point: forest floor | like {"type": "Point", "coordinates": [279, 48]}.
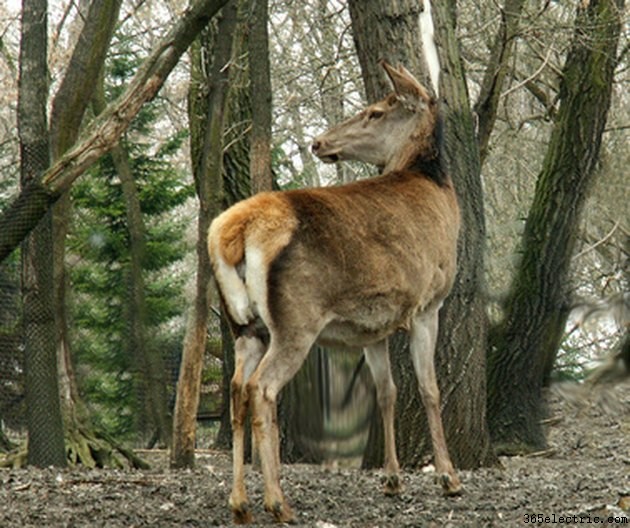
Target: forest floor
{"type": "Point", "coordinates": [584, 478]}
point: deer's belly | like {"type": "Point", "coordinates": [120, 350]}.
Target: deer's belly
{"type": "Point", "coordinates": [367, 323]}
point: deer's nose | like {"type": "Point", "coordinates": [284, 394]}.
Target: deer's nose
{"type": "Point", "coordinates": [317, 144]}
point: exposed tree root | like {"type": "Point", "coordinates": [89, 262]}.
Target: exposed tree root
{"type": "Point", "coordinates": [88, 448]}
{"type": "Point", "coordinates": [15, 459]}
{"type": "Point", "coordinates": [5, 444]}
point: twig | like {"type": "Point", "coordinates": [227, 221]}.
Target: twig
{"type": "Point", "coordinates": [599, 242]}
{"type": "Point", "coordinates": [531, 77]}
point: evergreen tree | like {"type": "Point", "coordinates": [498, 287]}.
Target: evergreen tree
{"type": "Point", "coordinates": [109, 371]}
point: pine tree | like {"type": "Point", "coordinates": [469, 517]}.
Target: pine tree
{"type": "Point", "coordinates": [109, 371]}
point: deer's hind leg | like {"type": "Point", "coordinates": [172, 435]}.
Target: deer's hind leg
{"type": "Point", "coordinates": [423, 338]}
{"type": "Point", "coordinates": [248, 350]}
{"type": "Point", "coordinates": [281, 362]}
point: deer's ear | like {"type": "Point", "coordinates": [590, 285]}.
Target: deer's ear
{"type": "Point", "coordinates": [409, 90]}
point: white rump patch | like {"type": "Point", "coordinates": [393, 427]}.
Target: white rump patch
{"type": "Point", "coordinates": [233, 290]}
{"type": "Point", "coordinates": [256, 280]}
{"type": "Point", "coordinates": [428, 45]}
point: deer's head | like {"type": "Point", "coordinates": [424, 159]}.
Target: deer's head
{"type": "Point", "coordinates": [388, 133]}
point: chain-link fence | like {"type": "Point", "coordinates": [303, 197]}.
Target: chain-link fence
{"type": "Point", "coordinates": [80, 330]}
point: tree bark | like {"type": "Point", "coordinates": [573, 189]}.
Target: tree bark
{"type": "Point", "coordinates": [82, 75]}
{"type": "Point", "coordinates": [236, 186]}
{"type": "Point", "coordinates": [45, 426]}
{"type": "Point", "coordinates": [462, 342]}
{"type": "Point", "coordinates": [524, 345]}
{"type": "Point", "coordinates": [207, 100]}
{"type": "Point", "coordinates": [386, 30]}
{"type": "Point", "coordinates": [151, 369]}
{"type": "Point", "coordinates": [38, 196]}
{"type": "Point", "coordinates": [460, 355]}
{"type": "Point", "coordinates": [260, 93]}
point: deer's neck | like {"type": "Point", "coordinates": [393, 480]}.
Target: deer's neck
{"type": "Point", "coordinates": [426, 162]}
{"type": "Point", "coordinates": [417, 148]}
{"type": "Point", "coordinates": [420, 154]}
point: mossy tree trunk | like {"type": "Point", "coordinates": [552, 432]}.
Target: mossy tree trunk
{"type": "Point", "coordinates": [44, 419]}
{"type": "Point", "coordinates": [524, 345]}
{"type": "Point", "coordinates": [69, 107]}
{"type": "Point", "coordinates": [237, 186]}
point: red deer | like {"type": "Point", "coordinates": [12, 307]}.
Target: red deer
{"type": "Point", "coordinates": [341, 265]}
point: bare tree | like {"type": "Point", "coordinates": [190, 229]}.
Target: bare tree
{"type": "Point", "coordinates": [524, 345]}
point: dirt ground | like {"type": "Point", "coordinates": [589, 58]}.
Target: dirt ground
{"type": "Point", "coordinates": [583, 479]}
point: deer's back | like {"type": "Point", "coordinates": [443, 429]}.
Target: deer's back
{"type": "Point", "coordinates": [363, 256]}
{"type": "Point", "coordinates": [369, 254]}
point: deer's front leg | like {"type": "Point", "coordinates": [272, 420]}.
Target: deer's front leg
{"type": "Point", "coordinates": [424, 329]}
{"type": "Point", "coordinates": [377, 357]}
{"type": "Point", "coordinates": [247, 352]}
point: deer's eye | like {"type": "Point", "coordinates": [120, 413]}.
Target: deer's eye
{"type": "Point", "coordinates": [375, 114]}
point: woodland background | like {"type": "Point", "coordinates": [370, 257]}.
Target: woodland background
{"type": "Point", "coordinates": [107, 303]}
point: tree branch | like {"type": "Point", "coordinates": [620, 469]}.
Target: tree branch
{"type": "Point", "coordinates": [496, 71]}
{"type": "Point", "coordinates": [102, 134]}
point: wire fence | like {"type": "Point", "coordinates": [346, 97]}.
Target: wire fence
{"type": "Point", "coordinates": [69, 327]}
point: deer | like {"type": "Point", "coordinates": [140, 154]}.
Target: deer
{"type": "Point", "coordinates": [341, 265]}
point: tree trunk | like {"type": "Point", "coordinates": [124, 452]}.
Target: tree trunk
{"type": "Point", "coordinates": [236, 186]}
{"type": "Point", "coordinates": [207, 100]}
{"type": "Point", "coordinates": [68, 109]}
{"type": "Point", "coordinates": [386, 30]}
{"type": "Point", "coordinates": [149, 361]}
{"type": "Point", "coordinates": [45, 426]}
{"type": "Point", "coordinates": [150, 369]}
{"type": "Point", "coordinates": [40, 194]}
{"type": "Point", "coordinates": [525, 343]}
{"type": "Point", "coordinates": [260, 88]}
{"type": "Point", "coordinates": [382, 29]}
{"type": "Point", "coordinates": [462, 342]}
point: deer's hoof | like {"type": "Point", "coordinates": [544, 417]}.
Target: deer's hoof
{"type": "Point", "coordinates": [392, 485]}
{"type": "Point", "coordinates": [451, 485]}
{"type": "Point", "coordinates": [241, 514]}
{"type": "Point", "coordinates": [281, 511]}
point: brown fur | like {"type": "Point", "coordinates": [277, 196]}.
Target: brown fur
{"type": "Point", "coordinates": [364, 242]}
{"type": "Point", "coordinates": [265, 219]}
